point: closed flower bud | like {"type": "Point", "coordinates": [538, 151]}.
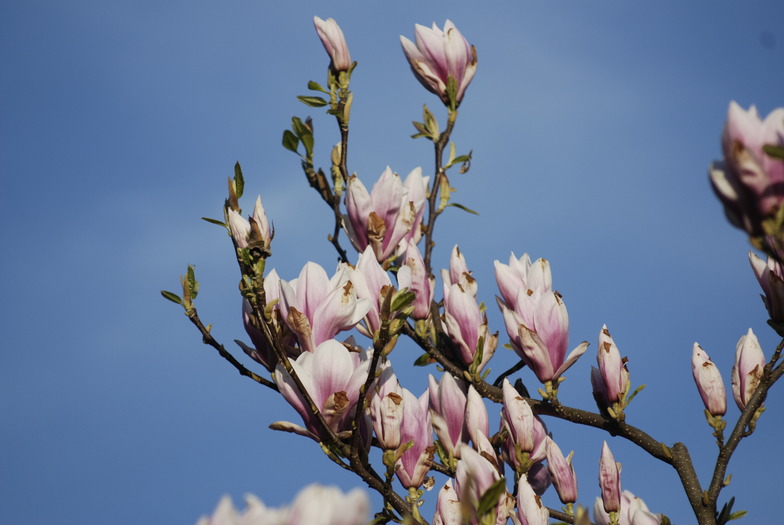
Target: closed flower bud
{"type": "Point", "coordinates": [334, 42]}
{"type": "Point", "coordinates": [610, 480]}
{"type": "Point", "coordinates": [748, 369]}
{"type": "Point", "coordinates": [709, 382]}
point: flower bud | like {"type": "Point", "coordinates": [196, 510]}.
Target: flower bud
{"type": "Point", "coordinates": [709, 382]}
{"type": "Point", "coordinates": [747, 372]}
{"type": "Point", "coordinates": [334, 42]}
{"type": "Point", "coordinates": [771, 278]}
{"type": "Point", "coordinates": [610, 480]}
{"type": "Point", "coordinates": [612, 368]}
{"type": "Point", "coordinates": [561, 472]}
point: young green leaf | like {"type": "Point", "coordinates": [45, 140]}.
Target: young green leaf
{"type": "Point", "coordinates": [490, 498]}
{"type": "Point", "coordinates": [214, 221]}
{"type": "Point", "coordinates": [239, 181]}
{"type": "Point", "coordinates": [464, 208]}
{"type": "Point", "coordinates": [315, 86]}
{"type": "Point", "coordinates": [290, 141]}
{"type": "Point", "coordinates": [173, 297]}
{"type": "Point", "coordinates": [314, 102]}
{"type": "Point", "coordinates": [777, 152]}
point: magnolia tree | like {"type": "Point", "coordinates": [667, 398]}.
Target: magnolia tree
{"type": "Point", "coordinates": [326, 342]}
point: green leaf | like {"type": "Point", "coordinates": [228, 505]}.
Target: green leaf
{"type": "Point", "coordinates": [307, 141]}
{"type": "Point", "coordinates": [173, 297]}
{"type": "Point", "coordinates": [402, 299]}
{"type": "Point", "coordinates": [490, 498]}
{"type": "Point", "coordinates": [214, 221]}
{"type": "Point", "coordinates": [424, 360]}
{"type": "Point", "coordinates": [290, 141]}
{"type": "Point", "coordinates": [239, 181]}
{"type": "Point", "coordinates": [777, 152]}
{"type": "Point", "coordinates": [464, 208]}
{"type": "Point", "coordinates": [193, 284]}
{"type": "Point", "coordinates": [446, 191]}
{"type": "Point", "coordinates": [299, 128]}
{"type": "Point", "coordinates": [315, 86]}
{"type": "Point", "coordinates": [314, 102]}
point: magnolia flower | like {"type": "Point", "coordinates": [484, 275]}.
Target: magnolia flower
{"type": "Point", "coordinates": [748, 368]}
{"type": "Point", "coordinates": [244, 232]}
{"type": "Point", "coordinates": [473, 477]}
{"type": "Point", "coordinates": [610, 480]}
{"type": "Point", "coordinates": [413, 275]}
{"type": "Point", "coordinates": [370, 281]}
{"type": "Point", "coordinates": [466, 325]}
{"type": "Point", "coordinates": [458, 273]}
{"type": "Point", "coordinates": [386, 409]}
{"type": "Point", "coordinates": [612, 369]}
{"type": "Point", "coordinates": [561, 472]}
{"type": "Point", "coordinates": [447, 410]}
{"type": "Point", "coordinates": [334, 42]}
{"type": "Point", "coordinates": [262, 352]}
{"type": "Point", "coordinates": [447, 506]}
{"type": "Point", "coordinates": [525, 432]}
{"type": "Point", "coordinates": [439, 55]}
{"type": "Point", "coordinates": [414, 464]}
{"type": "Point", "coordinates": [709, 382]}
{"type": "Point", "coordinates": [317, 308]}
{"type": "Point", "coordinates": [750, 183]}
{"type": "Point", "coordinates": [530, 510]}
{"type": "Point", "coordinates": [521, 274]}
{"type": "Point", "coordinates": [633, 511]}
{"type": "Point", "coordinates": [332, 376]}
{"type": "Point", "coordinates": [384, 218]}
{"type": "Point", "coordinates": [771, 278]}
{"type": "Point", "coordinates": [314, 505]}
{"type": "Point", "coordinates": [476, 424]}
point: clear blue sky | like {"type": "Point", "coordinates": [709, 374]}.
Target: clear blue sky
{"type": "Point", "coordinates": [592, 126]}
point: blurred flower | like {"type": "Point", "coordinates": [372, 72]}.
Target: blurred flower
{"type": "Point", "coordinates": [610, 480]}
{"type": "Point", "coordinates": [414, 464]}
{"type": "Point", "coordinates": [332, 376]}
{"type": "Point", "coordinates": [439, 55]}
{"type": "Point", "coordinates": [633, 512]}
{"type": "Point", "coordinates": [314, 505]}
{"type": "Point", "coordinates": [334, 42]}
{"type": "Point", "coordinates": [245, 233]}
{"type": "Point", "coordinates": [317, 308]}
{"type": "Point", "coordinates": [384, 218]}
{"type": "Point", "coordinates": [771, 278]}
{"type": "Point", "coordinates": [709, 382]}
{"type": "Point", "coordinates": [561, 472]}
{"type": "Point", "coordinates": [748, 368]}
{"type": "Point", "coordinates": [750, 183]}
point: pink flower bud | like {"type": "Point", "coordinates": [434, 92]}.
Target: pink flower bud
{"type": "Point", "coordinates": [414, 276]}
{"type": "Point", "coordinates": [610, 480]}
{"type": "Point", "coordinates": [473, 477]}
{"type": "Point", "coordinates": [447, 506]}
{"type": "Point", "coordinates": [561, 472]}
{"type": "Point", "coordinates": [612, 368]}
{"type": "Point", "coordinates": [334, 42]}
{"type": "Point", "coordinates": [466, 325]}
{"type": "Point", "coordinates": [530, 510]}
{"type": "Point", "coordinates": [521, 274]}
{"type": "Point", "coordinates": [447, 409]}
{"type": "Point", "coordinates": [369, 279]}
{"type": "Point", "coordinates": [748, 181]}
{"type": "Point", "coordinates": [415, 462]}
{"type": "Point", "coordinates": [241, 229]}
{"type": "Point", "coordinates": [439, 55]}
{"type": "Point", "coordinates": [709, 382]}
{"type": "Point", "coordinates": [386, 409]}
{"type": "Point", "coordinates": [748, 369]}
{"type": "Point", "coordinates": [771, 278]}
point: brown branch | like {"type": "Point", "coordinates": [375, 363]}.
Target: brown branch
{"type": "Point", "coordinates": [208, 339]}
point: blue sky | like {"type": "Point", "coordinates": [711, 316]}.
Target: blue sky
{"type": "Point", "coordinates": [592, 126]}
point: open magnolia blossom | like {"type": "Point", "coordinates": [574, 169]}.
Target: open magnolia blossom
{"type": "Point", "coordinates": [349, 398]}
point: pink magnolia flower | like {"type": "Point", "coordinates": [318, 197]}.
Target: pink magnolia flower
{"type": "Point", "coordinates": [709, 382]}
{"type": "Point", "coordinates": [771, 278]}
{"type": "Point", "coordinates": [447, 506]}
{"type": "Point", "coordinates": [521, 274]}
{"type": "Point", "coordinates": [473, 477]}
{"type": "Point", "coordinates": [447, 410]}
{"type": "Point", "coordinates": [561, 472]}
{"type": "Point", "coordinates": [439, 55]}
{"type": "Point", "coordinates": [370, 279]}
{"type": "Point", "coordinates": [530, 510]}
{"type": "Point", "coordinates": [415, 462]}
{"type": "Point", "coordinates": [332, 376]}
{"type": "Point", "coordinates": [612, 369]}
{"type": "Point", "coordinates": [240, 228]}
{"type": "Point", "coordinates": [386, 409]}
{"type": "Point", "coordinates": [458, 273]}
{"type": "Point", "coordinates": [750, 183]}
{"type": "Point", "coordinates": [334, 42]}
{"type": "Point", "coordinates": [748, 368]}
{"type": "Point", "coordinates": [384, 218]}
{"type": "Point", "coordinates": [414, 276]}
{"type": "Point", "coordinates": [476, 423]}
{"type": "Point", "coordinates": [466, 325]}
{"type": "Point", "coordinates": [538, 328]}
{"type": "Point", "coordinates": [610, 480]}
{"type": "Point", "coordinates": [317, 308]}
{"type": "Point", "coordinates": [262, 352]}
{"type": "Point", "coordinates": [525, 432]}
